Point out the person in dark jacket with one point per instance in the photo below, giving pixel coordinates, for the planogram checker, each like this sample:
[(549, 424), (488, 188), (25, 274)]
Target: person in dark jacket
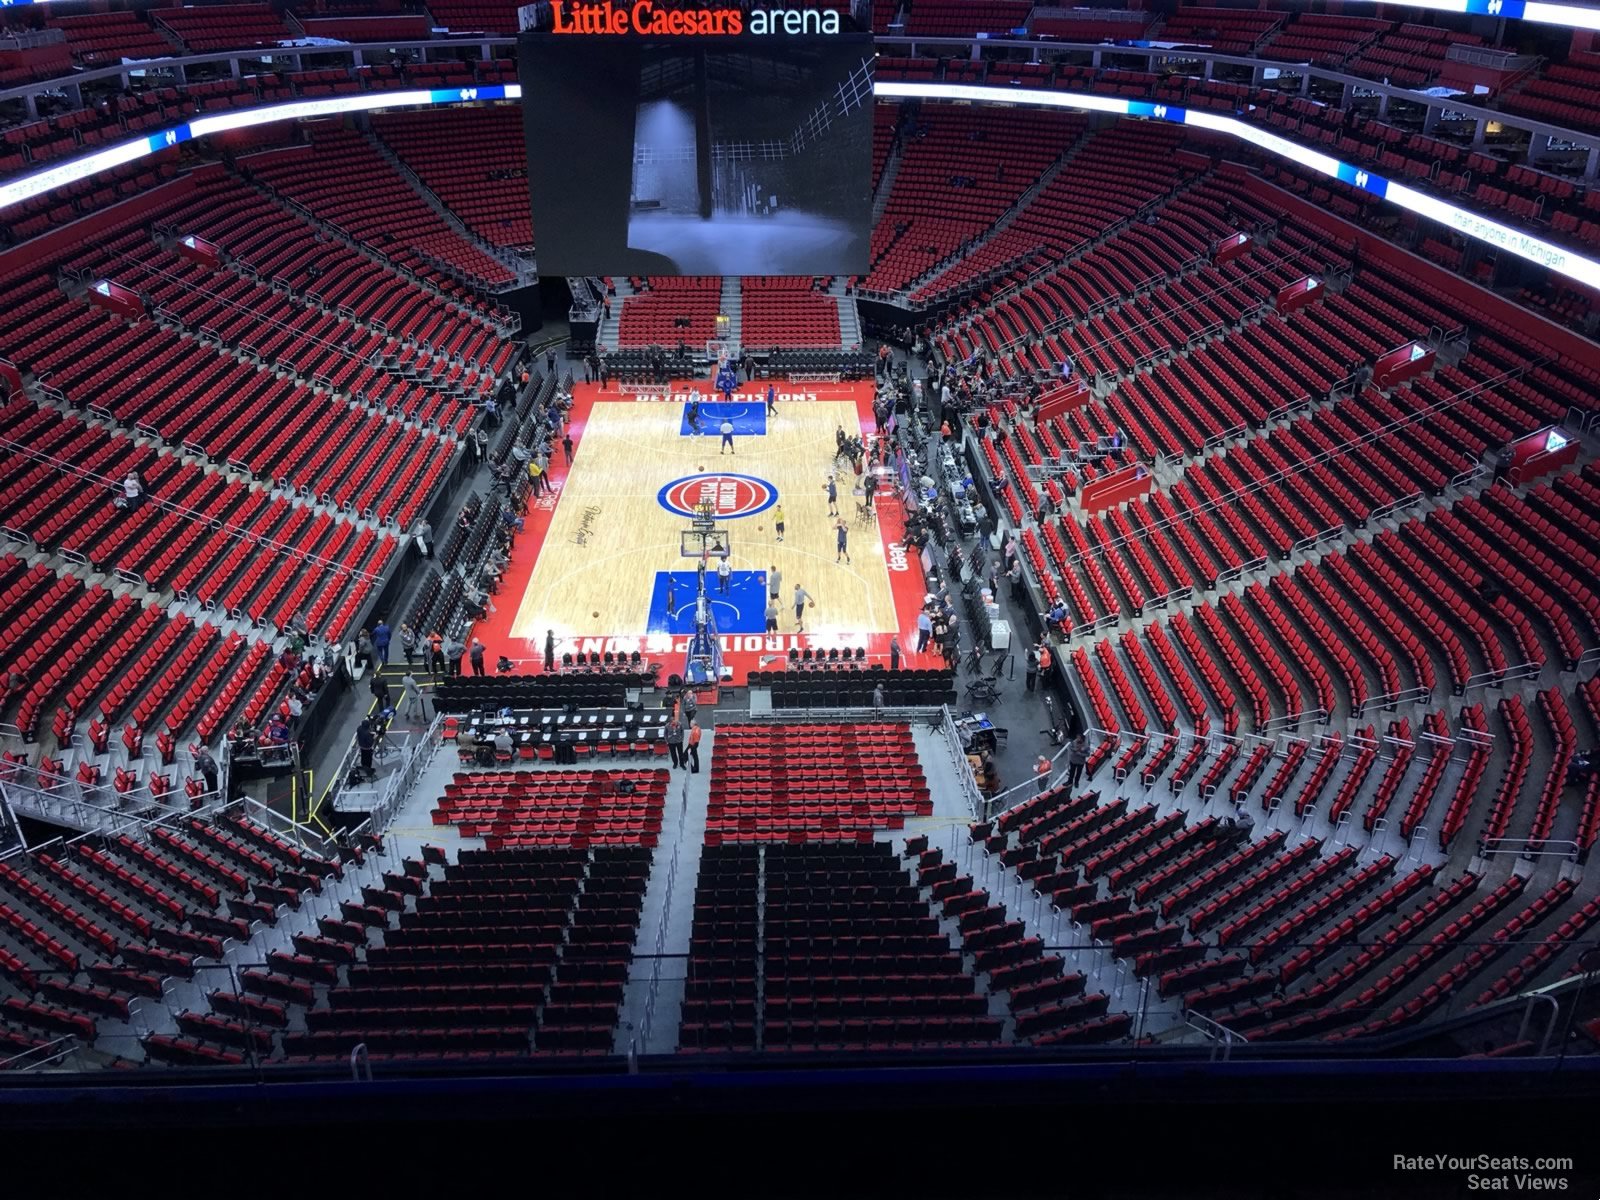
[(365, 741), (207, 766), (674, 736)]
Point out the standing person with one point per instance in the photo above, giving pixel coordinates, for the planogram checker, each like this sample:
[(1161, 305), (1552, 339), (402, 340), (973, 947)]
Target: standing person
[(411, 699), (841, 540), (408, 643), (777, 521), (692, 744), (365, 741), (1032, 675), (801, 599), (363, 649), (772, 399), (726, 429), (772, 614), (605, 375), (1014, 574), (924, 630), (724, 573), (1041, 771), (894, 652), (877, 697), (1045, 658), (674, 736), (550, 361), (549, 650), (477, 657), (207, 766), (380, 692), (381, 636), (1077, 758), (422, 531), (833, 496), (435, 655), (454, 648), (566, 447), (774, 582)]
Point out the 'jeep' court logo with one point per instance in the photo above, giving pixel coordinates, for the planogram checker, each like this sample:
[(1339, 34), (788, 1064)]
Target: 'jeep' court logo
[(729, 495)]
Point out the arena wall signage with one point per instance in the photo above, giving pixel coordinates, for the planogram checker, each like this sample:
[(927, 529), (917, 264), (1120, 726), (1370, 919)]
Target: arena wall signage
[(1470, 224), (643, 19)]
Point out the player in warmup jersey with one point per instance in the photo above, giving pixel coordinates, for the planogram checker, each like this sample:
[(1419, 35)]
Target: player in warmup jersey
[(727, 380)]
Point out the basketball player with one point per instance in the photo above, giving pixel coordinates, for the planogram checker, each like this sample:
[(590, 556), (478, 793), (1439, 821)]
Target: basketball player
[(777, 522), (801, 599)]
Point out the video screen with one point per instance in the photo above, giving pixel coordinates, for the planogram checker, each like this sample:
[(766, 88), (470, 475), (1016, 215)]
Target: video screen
[(703, 156)]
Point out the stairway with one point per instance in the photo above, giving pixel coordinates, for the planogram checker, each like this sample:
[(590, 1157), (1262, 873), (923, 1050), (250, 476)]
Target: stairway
[(849, 315), (1018, 207), (891, 169), (523, 267), (732, 307), (611, 326)]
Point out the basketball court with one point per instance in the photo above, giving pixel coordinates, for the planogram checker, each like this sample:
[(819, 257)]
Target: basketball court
[(605, 563)]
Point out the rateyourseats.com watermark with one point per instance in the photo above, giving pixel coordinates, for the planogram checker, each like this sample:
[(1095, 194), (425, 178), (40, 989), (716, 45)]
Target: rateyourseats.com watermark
[(1493, 1173)]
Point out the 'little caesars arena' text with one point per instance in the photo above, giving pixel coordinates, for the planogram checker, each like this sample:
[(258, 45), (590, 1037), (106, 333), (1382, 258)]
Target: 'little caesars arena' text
[(615, 20)]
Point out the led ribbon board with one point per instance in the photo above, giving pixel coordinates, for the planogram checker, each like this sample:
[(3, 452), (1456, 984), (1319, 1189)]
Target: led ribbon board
[(1470, 224), (1569, 16)]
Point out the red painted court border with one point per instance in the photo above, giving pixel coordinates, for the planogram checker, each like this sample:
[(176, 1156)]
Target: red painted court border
[(742, 652)]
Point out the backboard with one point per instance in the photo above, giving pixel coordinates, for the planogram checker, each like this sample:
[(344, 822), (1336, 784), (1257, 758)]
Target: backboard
[(697, 542)]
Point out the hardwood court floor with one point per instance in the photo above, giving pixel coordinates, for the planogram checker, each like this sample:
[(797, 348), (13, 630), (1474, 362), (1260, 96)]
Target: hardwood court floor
[(609, 535)]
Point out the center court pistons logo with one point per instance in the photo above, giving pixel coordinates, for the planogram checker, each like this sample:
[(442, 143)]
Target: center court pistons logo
[(731, 495)]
